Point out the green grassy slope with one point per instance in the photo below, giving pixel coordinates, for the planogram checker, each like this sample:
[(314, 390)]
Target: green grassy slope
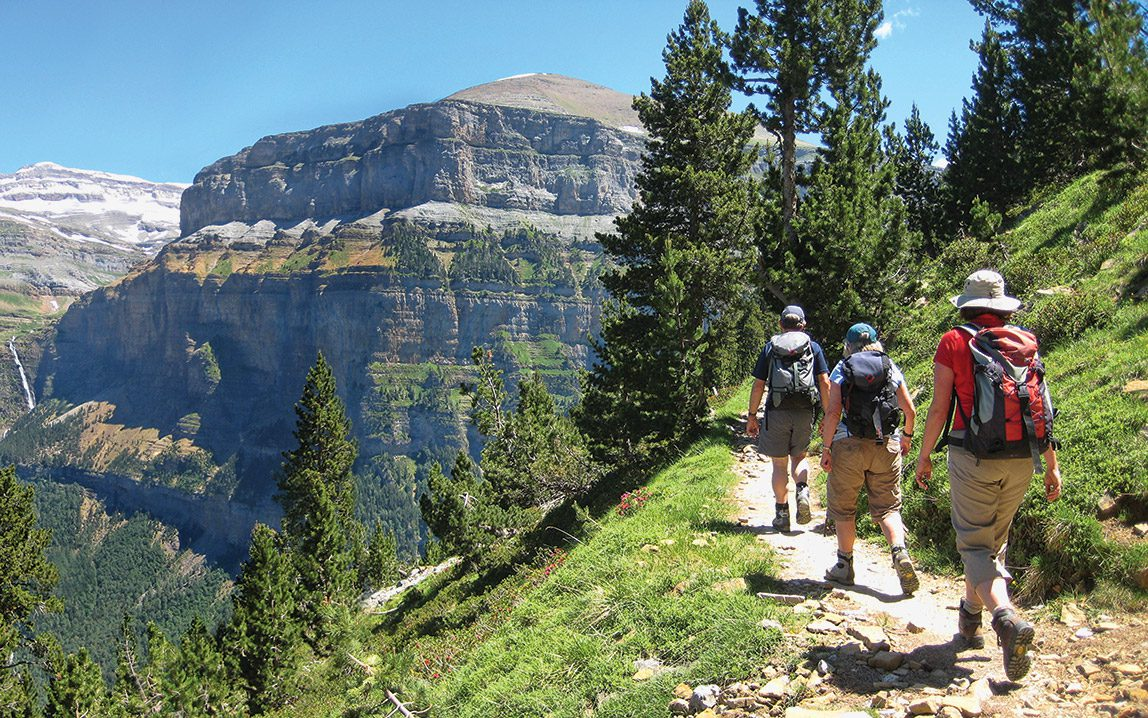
[(1078, 258), (560, 634)]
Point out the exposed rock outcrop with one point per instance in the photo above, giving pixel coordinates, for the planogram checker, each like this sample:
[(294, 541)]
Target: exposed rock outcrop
[(450, 151), (393, 245)]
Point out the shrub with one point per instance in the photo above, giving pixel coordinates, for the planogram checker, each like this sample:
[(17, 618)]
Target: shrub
[(1067, 316)]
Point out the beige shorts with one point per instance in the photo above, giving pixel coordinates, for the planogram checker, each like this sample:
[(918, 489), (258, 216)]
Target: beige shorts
[(864, 463), (785, 432), (985, 498)]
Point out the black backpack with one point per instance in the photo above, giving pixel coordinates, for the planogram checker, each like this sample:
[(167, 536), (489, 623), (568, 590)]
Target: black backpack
[(791, 380), (869, 399)]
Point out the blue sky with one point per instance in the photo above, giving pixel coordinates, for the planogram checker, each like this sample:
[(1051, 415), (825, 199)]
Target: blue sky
[(161, 89)]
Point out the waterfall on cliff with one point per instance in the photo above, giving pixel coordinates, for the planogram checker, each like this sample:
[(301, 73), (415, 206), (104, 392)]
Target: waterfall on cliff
[(28, 396)]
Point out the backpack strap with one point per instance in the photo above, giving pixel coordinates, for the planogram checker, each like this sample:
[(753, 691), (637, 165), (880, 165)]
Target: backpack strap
[(1029, 426), (955, 401)]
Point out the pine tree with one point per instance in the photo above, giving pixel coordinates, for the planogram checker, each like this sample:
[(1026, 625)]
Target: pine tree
[(918, 183), (18, 695), (133, 693), (26, 580), (264, 636), (382, 561), (75, 687), (534, 454), (1113, 84), (780, 53), (317, 492), (454, 507), (197, 679), (1077, 74), (852, 225), (983, 144), (694, 192)]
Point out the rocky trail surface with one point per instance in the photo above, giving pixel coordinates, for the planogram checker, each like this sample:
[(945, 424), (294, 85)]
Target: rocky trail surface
[(867, 647)]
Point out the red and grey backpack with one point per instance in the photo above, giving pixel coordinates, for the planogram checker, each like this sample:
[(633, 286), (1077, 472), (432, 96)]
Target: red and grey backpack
[(1012, 411)]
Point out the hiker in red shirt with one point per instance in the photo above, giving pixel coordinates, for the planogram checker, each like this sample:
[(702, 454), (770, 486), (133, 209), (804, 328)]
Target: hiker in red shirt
[(995, 442)]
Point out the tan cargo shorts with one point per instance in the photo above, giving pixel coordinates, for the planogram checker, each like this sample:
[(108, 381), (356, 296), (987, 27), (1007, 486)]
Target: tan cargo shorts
[(864, 463)]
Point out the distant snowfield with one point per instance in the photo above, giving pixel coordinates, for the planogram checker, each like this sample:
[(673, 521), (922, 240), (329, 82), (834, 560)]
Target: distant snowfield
[(92, 206)]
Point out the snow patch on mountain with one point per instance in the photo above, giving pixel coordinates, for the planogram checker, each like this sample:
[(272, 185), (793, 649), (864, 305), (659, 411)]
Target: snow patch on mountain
[(93, 207)]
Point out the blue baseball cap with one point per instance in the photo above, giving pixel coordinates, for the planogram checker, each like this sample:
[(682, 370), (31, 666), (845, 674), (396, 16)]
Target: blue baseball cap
[(793, 313), (861, 332)]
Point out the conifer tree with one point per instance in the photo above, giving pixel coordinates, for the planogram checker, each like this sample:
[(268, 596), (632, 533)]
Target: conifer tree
[(533, 454), (382, 561), (780, 53), (133, 693), (852, 225), (649, 384), (264, 635), (20, 699), (454, 507), (1077, 73), (1113, 84), (197, 679), (75, 687), (918, 183), (26, 580), (983, 144), (317, 492)]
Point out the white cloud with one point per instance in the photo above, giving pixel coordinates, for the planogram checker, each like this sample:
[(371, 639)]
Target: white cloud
[(897, 22), (898, 17)]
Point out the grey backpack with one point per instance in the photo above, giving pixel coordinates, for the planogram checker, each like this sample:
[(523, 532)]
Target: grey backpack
[(791, 381)]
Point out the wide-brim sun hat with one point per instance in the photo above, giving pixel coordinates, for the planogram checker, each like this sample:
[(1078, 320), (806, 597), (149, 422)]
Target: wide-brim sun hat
[(985, 289)]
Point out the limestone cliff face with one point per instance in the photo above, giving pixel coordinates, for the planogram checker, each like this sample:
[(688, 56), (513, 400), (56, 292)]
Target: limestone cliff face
[(393, 246), (451, 151)]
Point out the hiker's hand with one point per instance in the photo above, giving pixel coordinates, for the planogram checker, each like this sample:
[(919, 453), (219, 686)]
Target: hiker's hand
[(1052, 483), (826, 460), (924, 470), (751, 426), (906, 444)]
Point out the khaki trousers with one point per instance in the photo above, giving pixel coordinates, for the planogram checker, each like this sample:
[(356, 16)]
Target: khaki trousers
[(985, 498)]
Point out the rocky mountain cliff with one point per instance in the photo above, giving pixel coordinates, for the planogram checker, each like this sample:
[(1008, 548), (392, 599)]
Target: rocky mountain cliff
[(393, 245)]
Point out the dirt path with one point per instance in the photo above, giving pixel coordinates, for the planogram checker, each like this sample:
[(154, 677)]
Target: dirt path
[(935, 666)]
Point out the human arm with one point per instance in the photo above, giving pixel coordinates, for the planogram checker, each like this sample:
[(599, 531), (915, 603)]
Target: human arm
[(1052, 481), (906, 403), (751, 424), (830, 422), (935, 421)]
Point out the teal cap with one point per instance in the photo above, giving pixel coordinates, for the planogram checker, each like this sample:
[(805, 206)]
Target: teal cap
[(861, 333)]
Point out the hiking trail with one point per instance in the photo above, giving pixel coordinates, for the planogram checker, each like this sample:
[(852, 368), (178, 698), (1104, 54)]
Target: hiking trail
[(871, 647)]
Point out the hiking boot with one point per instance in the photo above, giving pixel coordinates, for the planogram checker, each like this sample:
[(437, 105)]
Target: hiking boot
[(803, 514), (841, 572), (781, 521), (1014, 637), (969, 625), (906, 574)]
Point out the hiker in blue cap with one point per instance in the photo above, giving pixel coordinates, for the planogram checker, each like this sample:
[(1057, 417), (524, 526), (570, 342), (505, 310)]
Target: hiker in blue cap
[(863, 446), (793, 369)]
